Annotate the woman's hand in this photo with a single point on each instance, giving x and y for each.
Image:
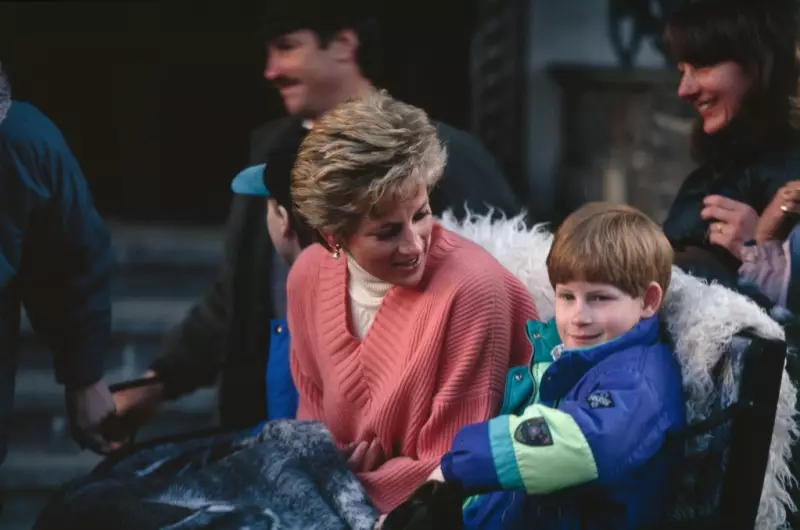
(786, 201)
(364, 456)
(733, 222)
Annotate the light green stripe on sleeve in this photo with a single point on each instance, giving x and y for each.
(567, 462)
(504, 455)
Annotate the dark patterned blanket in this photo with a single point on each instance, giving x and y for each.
(290, 476)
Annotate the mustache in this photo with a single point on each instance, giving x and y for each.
(281, 82)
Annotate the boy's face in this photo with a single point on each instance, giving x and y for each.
(592, 313)
(280, 231)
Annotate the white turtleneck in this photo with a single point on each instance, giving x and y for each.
(366, 294)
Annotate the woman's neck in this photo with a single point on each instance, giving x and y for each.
(366, 293)
(361, 284)
(758, 128)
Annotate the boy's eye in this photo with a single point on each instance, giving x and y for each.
(566, 296)
(600, 298)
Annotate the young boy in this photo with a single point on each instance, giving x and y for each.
(580, 439)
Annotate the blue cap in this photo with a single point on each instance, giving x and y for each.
(250, 181)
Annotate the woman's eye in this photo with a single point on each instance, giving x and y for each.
(421, 215)
(387, 234)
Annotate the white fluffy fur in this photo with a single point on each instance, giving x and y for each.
(702, 319)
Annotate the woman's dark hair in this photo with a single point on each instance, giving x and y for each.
(759, 35)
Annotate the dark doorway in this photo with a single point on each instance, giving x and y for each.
(156, 98)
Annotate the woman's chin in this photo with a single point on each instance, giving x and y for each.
(714, 124)
(408, 277)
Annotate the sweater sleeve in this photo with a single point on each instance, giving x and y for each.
(477, 351)
(300, 290)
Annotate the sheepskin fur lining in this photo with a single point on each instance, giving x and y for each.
(702, 320)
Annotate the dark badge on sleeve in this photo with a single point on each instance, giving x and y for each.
(600, 400)
(534, 432)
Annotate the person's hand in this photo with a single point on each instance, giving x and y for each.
(90, 409)
(364, 456)
(733, 222)
(437, 475)
(136, 406)
(380, 521)
(786, 201)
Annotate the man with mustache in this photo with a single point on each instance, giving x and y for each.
(319, 53)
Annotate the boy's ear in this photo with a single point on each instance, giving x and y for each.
(652, 299)
(286, 225)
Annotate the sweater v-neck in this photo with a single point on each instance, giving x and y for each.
(366, 293)
(377, 357)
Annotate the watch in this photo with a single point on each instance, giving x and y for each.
(749, 252)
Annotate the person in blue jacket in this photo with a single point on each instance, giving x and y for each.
(580, 440)
(56, 260)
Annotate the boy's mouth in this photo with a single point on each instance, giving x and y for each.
(586, 339)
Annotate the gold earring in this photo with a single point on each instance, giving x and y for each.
(337, 252)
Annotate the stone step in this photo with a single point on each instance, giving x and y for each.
(176, 246)
(138, 328)
(165, 261)
(22, 507)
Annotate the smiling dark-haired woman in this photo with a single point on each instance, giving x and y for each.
(738, 65)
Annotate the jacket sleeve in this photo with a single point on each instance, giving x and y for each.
(67, 261)
(471, 178)
(194, 351)
(790, 294)
(618, 428)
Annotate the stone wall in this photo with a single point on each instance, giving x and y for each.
(625, 138)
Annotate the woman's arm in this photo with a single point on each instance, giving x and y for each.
(300, 291)
(485, 330)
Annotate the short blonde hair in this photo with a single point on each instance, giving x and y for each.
(611, 244)
(359, 155)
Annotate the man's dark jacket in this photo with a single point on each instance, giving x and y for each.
(55, 255)
(229, 328)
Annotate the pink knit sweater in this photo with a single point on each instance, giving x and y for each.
(434, 359)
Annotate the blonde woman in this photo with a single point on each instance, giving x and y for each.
(402, 331)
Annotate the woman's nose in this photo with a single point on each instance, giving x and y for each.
(688, 86)
(411, 243)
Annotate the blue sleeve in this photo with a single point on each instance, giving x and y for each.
(793, 285)
(67, 257)
(617, 428)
